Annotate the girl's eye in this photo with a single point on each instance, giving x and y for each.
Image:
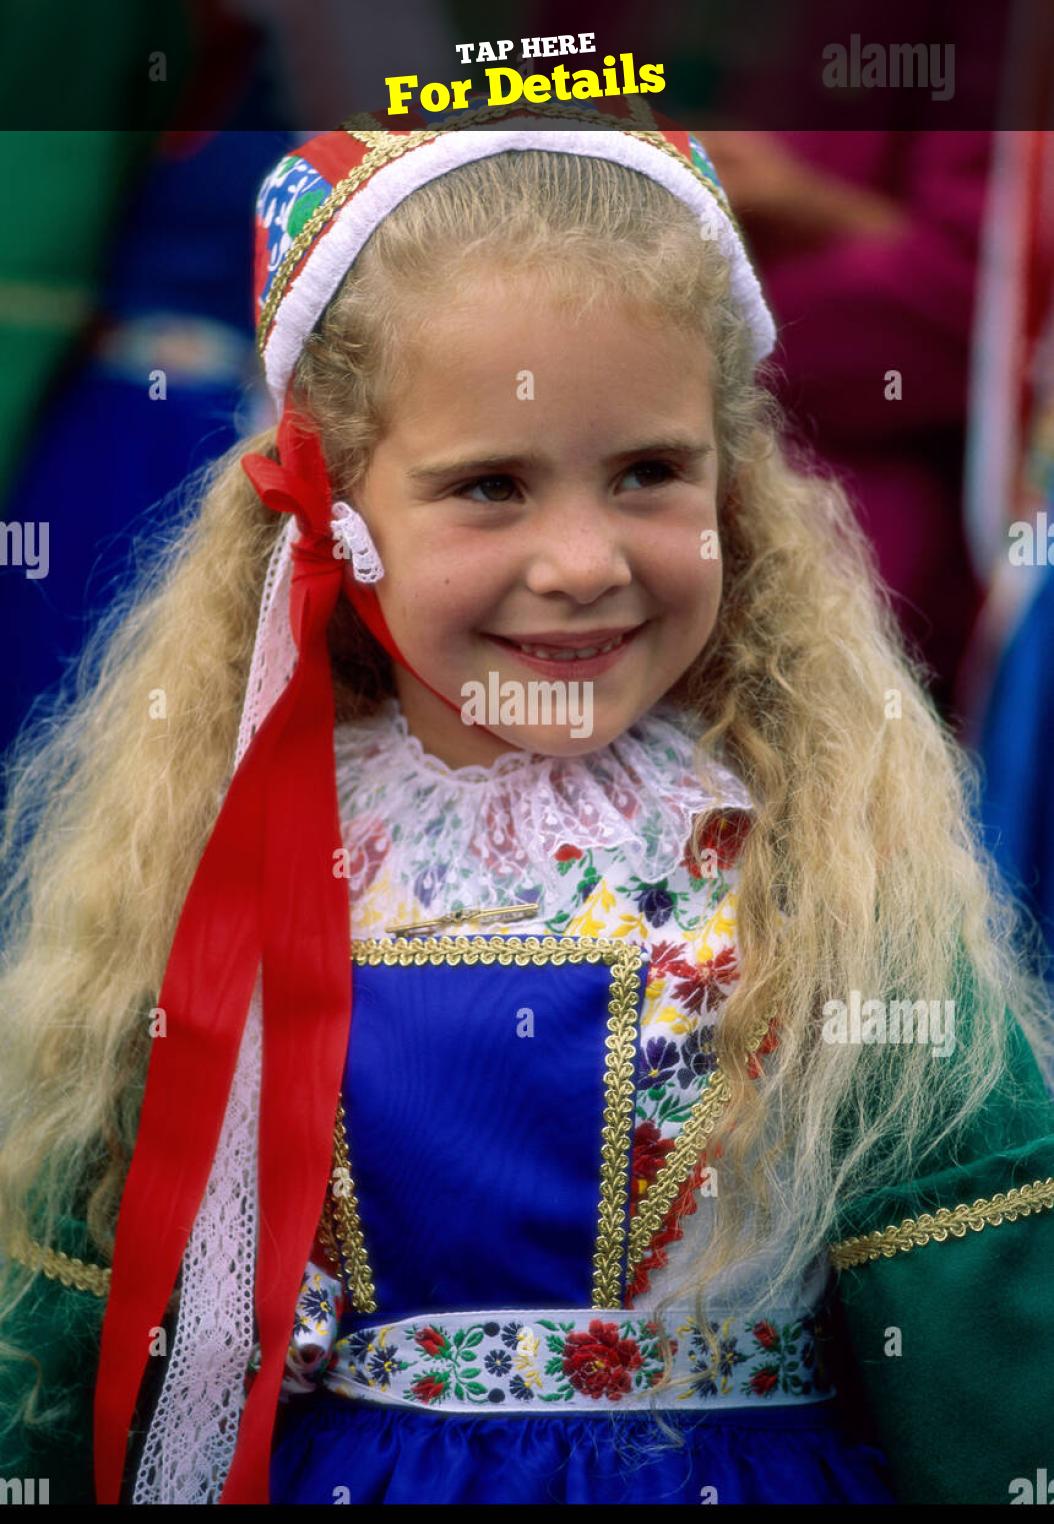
(653, 465)
(505, 483)
(485, 482)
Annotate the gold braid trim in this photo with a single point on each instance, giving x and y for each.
(945, 1223)
(357, 1274)
(683, 1157)
(58, 1266)
(625, 961)
(615, 1136)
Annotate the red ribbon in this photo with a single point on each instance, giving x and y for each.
(266, 891)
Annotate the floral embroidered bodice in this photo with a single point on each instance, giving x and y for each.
(600, 843)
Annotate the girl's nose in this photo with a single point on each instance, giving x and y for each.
(582, 556)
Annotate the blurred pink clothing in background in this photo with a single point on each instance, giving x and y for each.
(857, 298)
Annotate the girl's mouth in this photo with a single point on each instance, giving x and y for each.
(590, 659)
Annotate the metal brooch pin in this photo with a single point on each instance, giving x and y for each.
(480, 913)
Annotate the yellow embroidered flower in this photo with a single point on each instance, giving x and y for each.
(714, 935)
(678, 1022)
(585, 924)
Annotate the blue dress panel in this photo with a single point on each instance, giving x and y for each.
(479, 1341)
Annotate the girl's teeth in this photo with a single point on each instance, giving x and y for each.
(561, 653)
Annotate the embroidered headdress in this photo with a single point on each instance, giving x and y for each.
(227, 1179)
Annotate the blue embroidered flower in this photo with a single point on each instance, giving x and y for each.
(519, 1388)
(316, 1303)
(357, 1344)
(510, 1334)
(705, 1382)
(381, 1364)
(656, 1063)
(498, 1362)
(655, 905)
(698, 1056)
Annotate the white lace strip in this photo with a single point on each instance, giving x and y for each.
(194, 1428)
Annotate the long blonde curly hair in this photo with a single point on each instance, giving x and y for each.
(861, 871)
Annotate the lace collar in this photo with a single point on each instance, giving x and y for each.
(638, 794)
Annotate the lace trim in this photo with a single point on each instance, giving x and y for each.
(498, 828)
(946, 1223)
(190, 1443)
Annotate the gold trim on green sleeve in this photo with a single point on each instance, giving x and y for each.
(625, 961)
(945, 1223)
(58, 1266)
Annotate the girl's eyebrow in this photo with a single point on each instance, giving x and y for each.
(687, 449)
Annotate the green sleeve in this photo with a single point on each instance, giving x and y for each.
(951, 1332)
(60, 1327)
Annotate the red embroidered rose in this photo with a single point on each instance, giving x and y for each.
(431, 1341)
(428, 1389)
(764, 1381)
(766, 1335)
(598, 1363)
(568, 853)
(649, 1150)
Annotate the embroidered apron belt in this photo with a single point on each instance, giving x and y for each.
(561, 1359)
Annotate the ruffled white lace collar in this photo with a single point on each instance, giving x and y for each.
(638, 794)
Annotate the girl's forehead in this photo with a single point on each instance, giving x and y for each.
(531, 351)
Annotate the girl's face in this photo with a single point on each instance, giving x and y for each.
(547, 484)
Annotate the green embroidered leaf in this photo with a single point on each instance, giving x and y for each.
(554, 1367)
(473, 1371)
(459, 1338)
(459, 1390)
(475, 1335)
(546, 1323)
(476, 1388)
(555, 1343)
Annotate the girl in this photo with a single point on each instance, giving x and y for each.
(653, 1186)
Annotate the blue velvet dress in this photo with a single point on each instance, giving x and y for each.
(483, 1340)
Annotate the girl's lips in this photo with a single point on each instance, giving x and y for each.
(591, 666)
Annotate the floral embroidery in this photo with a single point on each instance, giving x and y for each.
(792, 1359)
(649, 1152)
(586, 1361)
(605, 1362)
(783, 1359)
